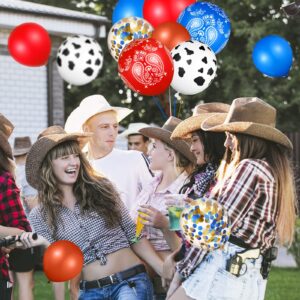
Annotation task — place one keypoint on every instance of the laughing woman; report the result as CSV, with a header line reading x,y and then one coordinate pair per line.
x,y
78,205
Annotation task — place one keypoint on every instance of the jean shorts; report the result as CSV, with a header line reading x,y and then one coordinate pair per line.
x,y
211,281
138,287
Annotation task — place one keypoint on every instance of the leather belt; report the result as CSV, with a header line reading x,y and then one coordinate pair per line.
x,y
112,279
238,242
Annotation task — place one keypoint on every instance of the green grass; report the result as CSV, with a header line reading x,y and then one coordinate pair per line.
x,y
283,284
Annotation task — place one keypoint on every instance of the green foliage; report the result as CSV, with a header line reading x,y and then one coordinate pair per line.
x,y
236,75
295,248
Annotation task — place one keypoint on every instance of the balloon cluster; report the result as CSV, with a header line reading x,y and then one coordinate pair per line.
x,y
205,224
188,32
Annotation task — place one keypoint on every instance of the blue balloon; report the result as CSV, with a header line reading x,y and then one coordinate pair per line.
x,y
273,56
206,23
127,8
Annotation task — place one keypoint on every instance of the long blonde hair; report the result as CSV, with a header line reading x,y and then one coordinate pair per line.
x,y
278,158
94,192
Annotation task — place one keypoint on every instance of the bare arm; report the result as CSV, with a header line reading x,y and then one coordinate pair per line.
x,y
145,251
6,231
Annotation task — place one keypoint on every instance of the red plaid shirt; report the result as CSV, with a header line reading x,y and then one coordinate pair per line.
x,y
11,213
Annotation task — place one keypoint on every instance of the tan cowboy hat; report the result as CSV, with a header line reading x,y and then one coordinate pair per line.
x,y
200,113
252,116
22,145
49,138
133,128
164,134
89,107
6,129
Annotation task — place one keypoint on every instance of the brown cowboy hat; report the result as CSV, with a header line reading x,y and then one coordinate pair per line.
x,y
200,113
6,129
48,139
22,145
164,134
252,116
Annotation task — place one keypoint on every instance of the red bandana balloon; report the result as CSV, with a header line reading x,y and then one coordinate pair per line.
x,y
146,67
30,44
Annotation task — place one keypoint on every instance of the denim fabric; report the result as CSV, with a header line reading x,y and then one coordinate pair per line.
x,y
142,290
211,281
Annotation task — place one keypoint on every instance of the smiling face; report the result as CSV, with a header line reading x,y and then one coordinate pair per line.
x,y
138,142
197,148
66,169
105,128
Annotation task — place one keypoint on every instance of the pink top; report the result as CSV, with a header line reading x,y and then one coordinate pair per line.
x,y
149,196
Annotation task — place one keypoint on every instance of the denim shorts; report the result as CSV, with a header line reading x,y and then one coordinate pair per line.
x,y
138,287
211,281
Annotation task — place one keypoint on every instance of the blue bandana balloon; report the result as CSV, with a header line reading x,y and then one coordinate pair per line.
x,y
206,23
124,32
204,223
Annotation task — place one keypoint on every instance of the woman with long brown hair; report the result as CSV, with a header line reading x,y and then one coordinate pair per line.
x,y
13,220
78,205
256,187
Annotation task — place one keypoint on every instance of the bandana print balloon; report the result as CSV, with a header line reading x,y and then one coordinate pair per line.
x,y
204,223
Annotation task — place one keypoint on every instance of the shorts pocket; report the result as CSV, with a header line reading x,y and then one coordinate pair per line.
x,y
226,286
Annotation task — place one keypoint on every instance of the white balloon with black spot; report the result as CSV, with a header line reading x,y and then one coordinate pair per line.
x,y
195,67
79,60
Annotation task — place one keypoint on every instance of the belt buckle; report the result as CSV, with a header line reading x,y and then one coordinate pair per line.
x,y
113,278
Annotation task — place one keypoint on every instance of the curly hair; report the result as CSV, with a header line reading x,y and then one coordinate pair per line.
x,y
92,190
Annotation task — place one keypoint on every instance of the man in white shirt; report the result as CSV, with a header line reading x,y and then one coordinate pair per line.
x,y
128,170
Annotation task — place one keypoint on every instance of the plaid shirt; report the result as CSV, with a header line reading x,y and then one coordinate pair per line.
x,y
11,213
249,196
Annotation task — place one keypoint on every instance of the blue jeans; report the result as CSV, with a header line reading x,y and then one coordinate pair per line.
x,y
211,281
141,290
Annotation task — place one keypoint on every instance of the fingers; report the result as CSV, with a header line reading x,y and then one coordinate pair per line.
x,y
26,239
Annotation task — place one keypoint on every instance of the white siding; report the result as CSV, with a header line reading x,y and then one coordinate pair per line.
x,y
23,97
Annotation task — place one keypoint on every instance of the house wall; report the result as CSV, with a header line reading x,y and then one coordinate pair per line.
x,y
24,92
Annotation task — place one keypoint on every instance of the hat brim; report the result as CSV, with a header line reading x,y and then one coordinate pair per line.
x,y
78,117
40,149
5,146
185,128
255,129
19,152
165,136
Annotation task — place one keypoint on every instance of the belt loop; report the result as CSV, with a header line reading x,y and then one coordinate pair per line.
x,y
98,283
83,284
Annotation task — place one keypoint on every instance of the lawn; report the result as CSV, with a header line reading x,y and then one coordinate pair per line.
x,y
283,284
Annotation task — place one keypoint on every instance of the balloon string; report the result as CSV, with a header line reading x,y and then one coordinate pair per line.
x,y
170,102
174,106
156,101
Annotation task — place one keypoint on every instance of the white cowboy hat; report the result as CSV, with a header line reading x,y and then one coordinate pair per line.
x,y
133,128
89,107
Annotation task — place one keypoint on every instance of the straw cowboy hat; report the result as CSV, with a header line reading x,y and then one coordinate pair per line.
x,y
89,107
50,138
133,128
22,145
200,113
6,129
252,116
164,134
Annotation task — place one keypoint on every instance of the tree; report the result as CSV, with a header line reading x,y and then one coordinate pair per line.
x,y
236,75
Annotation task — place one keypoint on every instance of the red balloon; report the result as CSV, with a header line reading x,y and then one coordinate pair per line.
x,y
161,11
146,66
171,34
30,44
63,260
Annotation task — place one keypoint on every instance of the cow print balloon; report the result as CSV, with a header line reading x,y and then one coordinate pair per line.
x,y
79,60
195,66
